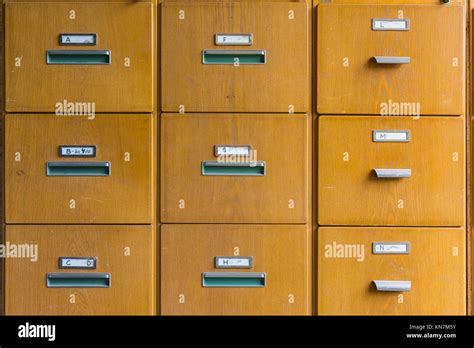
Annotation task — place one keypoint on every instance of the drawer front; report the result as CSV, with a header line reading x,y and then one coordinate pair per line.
x,y
235,270
235,56
412,174
391,271
75,169
48,62
80,270
367,72
234,168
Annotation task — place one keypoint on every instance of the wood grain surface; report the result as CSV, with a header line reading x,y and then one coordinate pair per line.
x,y
349,80
281,196
281,251
126,196
123,28
435,266
132,276
351,194
279,85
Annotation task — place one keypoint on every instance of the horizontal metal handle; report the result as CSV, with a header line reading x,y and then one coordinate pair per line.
x,y
78,169
233,280
215,168
78,280
78,57
393,285
241,57
391,60
392,173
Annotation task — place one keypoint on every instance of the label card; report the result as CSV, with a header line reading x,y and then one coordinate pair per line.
x,y
391,248
77,39
230,150
78,262
390,24
234,39
234,262
391,136
77,151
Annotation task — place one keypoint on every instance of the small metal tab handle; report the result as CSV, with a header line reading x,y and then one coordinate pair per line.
x,y
391,60
393,285
215,168
392,173
78,280
233,280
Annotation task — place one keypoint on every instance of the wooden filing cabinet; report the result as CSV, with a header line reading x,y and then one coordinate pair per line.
x,y
45,184
111,66
116,275
401,171
234,56
235,270
80,133
391,271
371,55
392,185
235,168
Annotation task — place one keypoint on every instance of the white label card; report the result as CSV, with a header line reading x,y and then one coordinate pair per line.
x,y
229,150
77,151
234,39
234,262
391,248
391,136
77,262
78,39
390,24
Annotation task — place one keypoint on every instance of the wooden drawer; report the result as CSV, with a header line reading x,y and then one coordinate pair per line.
x,y
234,168
391,171
365,69
391,271
112,182
234,56
235,270
116,273
49,60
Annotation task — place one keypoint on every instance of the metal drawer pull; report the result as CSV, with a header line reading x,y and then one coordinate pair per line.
x,y
78,280
233,280
78,57
392,173
240,57
214,168
393,285
78,168
391,60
